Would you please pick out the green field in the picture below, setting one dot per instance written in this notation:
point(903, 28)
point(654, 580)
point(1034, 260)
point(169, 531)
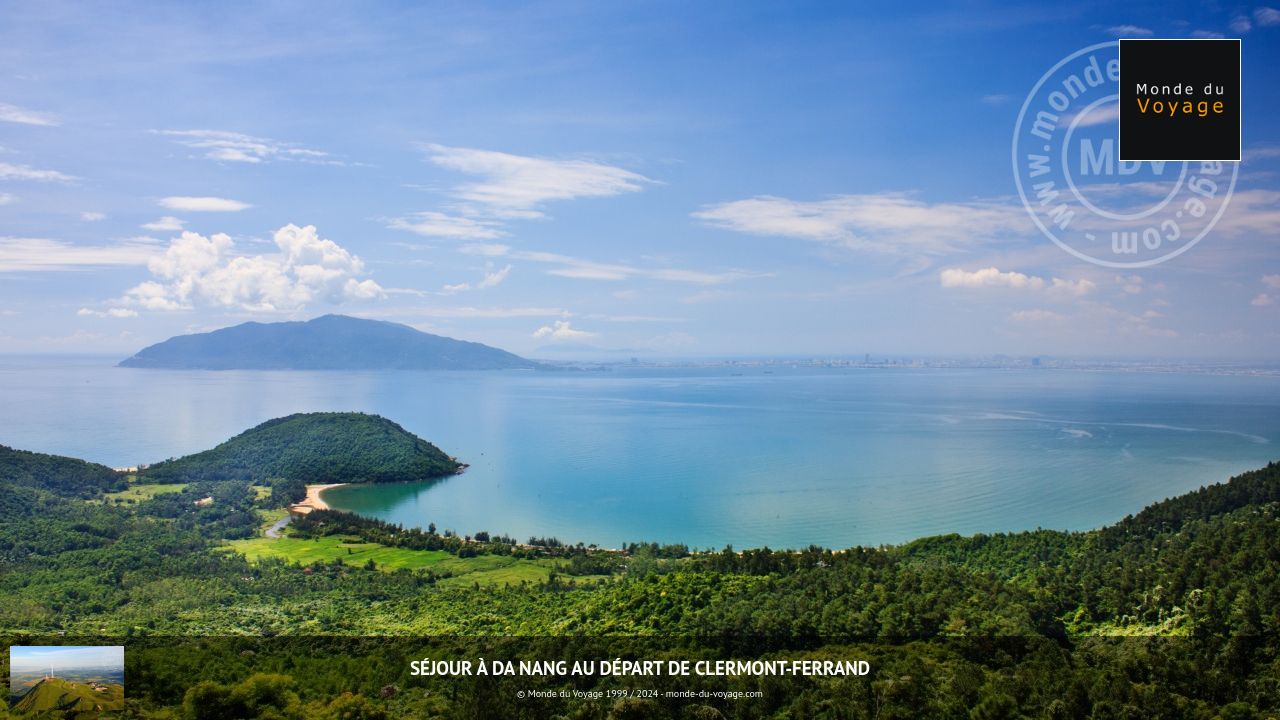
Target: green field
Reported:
point(139, 493)
point(483, 569)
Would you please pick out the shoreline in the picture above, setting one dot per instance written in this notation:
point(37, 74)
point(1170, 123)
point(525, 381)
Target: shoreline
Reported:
point(313, 500)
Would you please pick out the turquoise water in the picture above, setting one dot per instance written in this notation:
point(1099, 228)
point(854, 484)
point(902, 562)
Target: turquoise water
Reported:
point(705, 456)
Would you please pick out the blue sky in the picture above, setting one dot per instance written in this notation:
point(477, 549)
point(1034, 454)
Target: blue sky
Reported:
point(37, 658)
point(563, 178)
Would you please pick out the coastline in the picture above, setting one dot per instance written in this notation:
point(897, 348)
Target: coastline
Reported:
point(313, 500)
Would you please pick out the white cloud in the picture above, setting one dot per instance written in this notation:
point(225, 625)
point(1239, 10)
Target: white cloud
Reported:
point(1207, 35)
point(168, 223)
point(1105, 114)
point(1266, 16)
point(1262, 300)
point(437, 224)
point(561, 330)
point(24, 172)
point(198, 270)
point(92, 216)
point(1271, 281)
point(489, 313)
point(994, 277)
point(1129, 31)
point(1036, 317)
point(491, 278)
point(880, 222)
point(996, 99)
point(1262, 152)
point(237, 147)
point(115, 312)
point(42, 255)
point(7, 199)
point(203, 204)
point(581, 269)
point(515, 186)
point(485, 249)
point(15, 114)
point(1240, 24)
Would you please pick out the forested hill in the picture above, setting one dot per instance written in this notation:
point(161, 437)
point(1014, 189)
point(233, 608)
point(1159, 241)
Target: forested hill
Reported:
point(327, 447)
point(62, 475)
point(331, 342)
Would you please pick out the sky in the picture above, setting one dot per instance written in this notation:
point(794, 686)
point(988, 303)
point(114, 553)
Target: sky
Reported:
point(573, 179)
point(39, 658)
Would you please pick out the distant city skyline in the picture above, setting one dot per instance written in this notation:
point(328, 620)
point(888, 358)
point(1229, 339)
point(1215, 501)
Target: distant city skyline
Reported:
point(562, 179)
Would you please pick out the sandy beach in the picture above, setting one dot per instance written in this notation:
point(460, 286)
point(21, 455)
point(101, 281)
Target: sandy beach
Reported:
point(313, 501)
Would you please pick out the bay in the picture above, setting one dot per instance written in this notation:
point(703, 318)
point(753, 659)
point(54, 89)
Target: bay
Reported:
point(704, 456)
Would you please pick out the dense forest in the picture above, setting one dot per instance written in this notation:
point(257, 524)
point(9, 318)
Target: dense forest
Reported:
point(305, 448)
point(1171, 613)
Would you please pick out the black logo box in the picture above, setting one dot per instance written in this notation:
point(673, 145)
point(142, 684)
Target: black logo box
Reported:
point(1180, 65)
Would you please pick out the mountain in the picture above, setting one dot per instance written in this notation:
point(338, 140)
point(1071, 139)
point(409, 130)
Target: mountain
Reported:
point(68, 700)
point(330, 342)
point(328, 447)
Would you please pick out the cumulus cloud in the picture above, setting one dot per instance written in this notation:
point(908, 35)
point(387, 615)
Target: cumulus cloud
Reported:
point(23, 172)
point(994, 277)
point(879, 222)
point(202, 204)
point(237, 147)
point(561, 330)
point(199, 270)
point(168, 223)
point(15, 114)
point(43, 255)
point(1262, 300)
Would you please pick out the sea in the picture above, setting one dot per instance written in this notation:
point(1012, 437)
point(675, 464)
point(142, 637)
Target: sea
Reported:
point(750, 456)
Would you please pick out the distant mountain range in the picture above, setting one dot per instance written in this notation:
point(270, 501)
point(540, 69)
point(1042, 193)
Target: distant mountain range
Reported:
point(330, 342)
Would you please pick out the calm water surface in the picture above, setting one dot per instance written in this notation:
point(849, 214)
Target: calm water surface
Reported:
point(704, 456)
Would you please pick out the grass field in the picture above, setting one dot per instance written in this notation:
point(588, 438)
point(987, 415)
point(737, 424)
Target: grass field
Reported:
point(139, 493)
point(484, 569)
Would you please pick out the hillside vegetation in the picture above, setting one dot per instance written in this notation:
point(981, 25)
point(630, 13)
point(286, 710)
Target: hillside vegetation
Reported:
point(312, 448)
point(59, 699)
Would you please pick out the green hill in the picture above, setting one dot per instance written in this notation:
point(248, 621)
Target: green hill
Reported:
point(330, 447)
point(68, 700)
point(62, 475)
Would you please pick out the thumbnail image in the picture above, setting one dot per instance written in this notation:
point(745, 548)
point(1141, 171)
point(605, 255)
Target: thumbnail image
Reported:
point(66, 682)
